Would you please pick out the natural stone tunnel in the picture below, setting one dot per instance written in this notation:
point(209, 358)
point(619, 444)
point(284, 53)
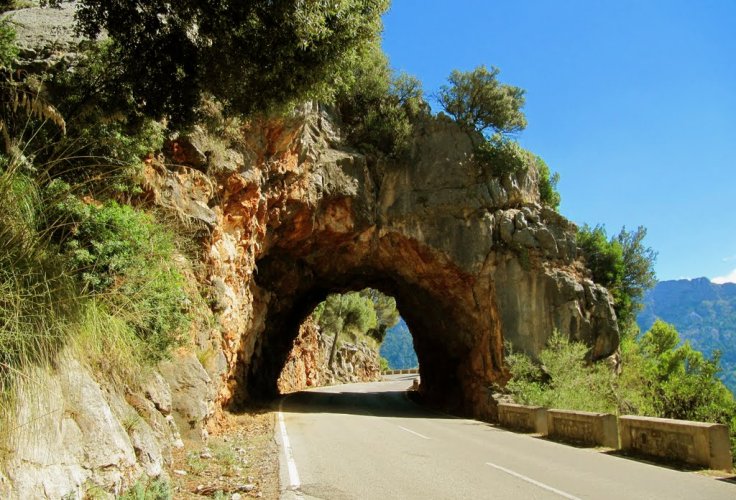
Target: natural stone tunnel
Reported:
point(472, 259)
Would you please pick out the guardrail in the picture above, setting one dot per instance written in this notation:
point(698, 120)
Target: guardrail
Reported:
point(698, 443)
point(408, 371)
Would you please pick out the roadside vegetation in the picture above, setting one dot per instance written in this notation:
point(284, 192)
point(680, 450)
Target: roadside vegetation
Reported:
point(660, 375)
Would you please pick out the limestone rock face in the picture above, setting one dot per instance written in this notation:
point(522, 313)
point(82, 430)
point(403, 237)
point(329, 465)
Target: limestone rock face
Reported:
point(307, 364)
point(68, 435)
point(471, 259)
point(45, 37)
point(192, 393)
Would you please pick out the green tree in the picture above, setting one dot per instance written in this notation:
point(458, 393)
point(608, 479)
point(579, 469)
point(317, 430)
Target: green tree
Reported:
point(8, 48)
point(379, 107)
point(685, 383)
point(623, 264)
point(350, 313)
point(638, 270)
point(477, 100)
point(547, 183)
point(387, 315)
point(252, 55)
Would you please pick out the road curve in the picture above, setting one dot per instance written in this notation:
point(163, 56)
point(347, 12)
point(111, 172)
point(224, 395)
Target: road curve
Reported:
point(369, 441)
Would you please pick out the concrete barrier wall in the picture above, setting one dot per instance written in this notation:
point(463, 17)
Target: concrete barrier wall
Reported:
point(691, 442)
point(408, 371)
point(524, 418)
point(597, 429)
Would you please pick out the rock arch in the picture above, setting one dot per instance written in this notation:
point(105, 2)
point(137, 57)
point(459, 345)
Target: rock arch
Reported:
point(471, 259)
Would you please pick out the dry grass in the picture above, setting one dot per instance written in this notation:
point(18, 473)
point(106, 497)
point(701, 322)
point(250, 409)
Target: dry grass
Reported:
point(242, 457)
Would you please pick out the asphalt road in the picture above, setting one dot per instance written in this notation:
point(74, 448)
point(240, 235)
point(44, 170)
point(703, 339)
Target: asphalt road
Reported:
point(366, 441)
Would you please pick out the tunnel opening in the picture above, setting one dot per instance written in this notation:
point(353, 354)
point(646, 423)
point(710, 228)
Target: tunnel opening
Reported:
point(349, 337)
point(454, 352)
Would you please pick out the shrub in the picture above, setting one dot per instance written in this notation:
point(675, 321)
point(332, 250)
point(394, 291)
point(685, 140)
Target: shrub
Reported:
point(378, 109)
point(623, 264)
point(149, 489)
point(562, 378)
point(8, 49)
point(501, 156)
point(478, 101)
point(38, 298)
point(122, 255)
point(547, 183)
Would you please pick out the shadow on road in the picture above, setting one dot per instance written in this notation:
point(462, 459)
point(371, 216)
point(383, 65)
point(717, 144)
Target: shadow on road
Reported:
point(379, 404)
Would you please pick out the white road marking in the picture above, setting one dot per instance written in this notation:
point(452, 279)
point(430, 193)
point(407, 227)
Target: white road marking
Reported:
point(294, 481)
point(534, 482)
point(415, 433)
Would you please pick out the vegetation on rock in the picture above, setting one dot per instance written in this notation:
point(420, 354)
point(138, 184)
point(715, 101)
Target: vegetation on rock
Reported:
point(483, 105)
point(478, 101)
point(623, 264)
point(252, 56)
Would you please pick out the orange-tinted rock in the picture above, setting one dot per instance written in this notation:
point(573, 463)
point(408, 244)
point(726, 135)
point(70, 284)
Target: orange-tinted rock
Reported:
point(471, 259)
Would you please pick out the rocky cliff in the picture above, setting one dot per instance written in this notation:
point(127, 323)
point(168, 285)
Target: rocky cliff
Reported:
point(307, 364)
point(472, 259)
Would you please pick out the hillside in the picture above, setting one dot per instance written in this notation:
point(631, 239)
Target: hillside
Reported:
point(398, 347)
point(703, 312)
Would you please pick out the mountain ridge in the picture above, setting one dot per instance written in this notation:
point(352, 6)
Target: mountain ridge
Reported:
point(703, 312)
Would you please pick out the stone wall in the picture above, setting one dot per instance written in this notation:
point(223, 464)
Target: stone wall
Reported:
point(597, 429)
point(697, 443)
point(523, 418)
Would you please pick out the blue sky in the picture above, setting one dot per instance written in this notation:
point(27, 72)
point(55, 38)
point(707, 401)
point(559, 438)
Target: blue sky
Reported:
point(632, 102)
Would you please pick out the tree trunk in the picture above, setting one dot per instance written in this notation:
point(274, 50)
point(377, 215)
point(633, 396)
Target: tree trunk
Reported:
point(333, 350)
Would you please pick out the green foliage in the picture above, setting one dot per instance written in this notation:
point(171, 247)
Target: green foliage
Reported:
point(149, 489)
point(378, 109)
point(604, 257)
point(37, 297)
point(622, 264)
point(660, 378)
point(478, 101)
point(703, 312)
point(121, 254)
point(547, 184)
point(562, 379)
point(384, 364)
point(350, 314)
point(252, 56)
point(502, 156)
point(107, 136)
point(387, 315)
point(685, 383)
point(8, 49)
point(360, 315)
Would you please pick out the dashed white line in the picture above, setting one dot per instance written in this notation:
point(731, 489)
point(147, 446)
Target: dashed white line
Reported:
point(534, 482)
point(294, 481)
point(415, 433)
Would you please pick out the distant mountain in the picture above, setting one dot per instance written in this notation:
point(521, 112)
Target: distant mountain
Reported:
point(398, 347)
point(703, 312)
